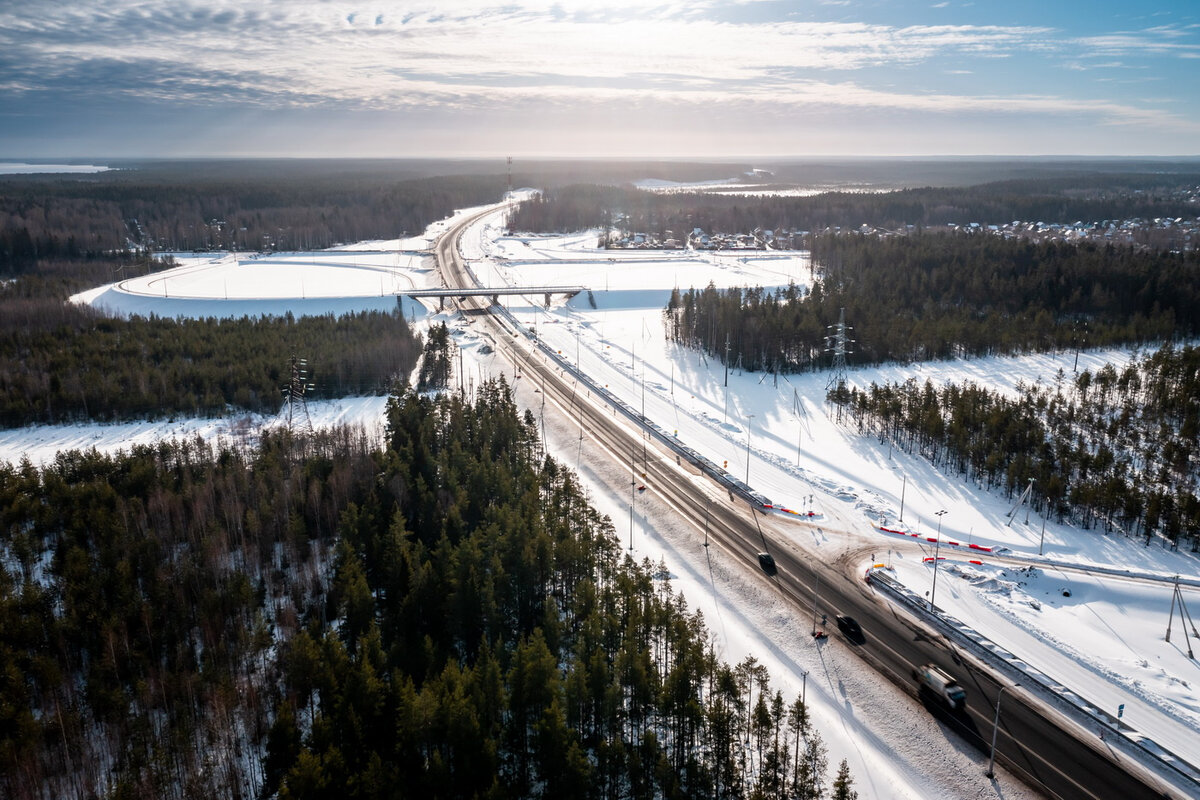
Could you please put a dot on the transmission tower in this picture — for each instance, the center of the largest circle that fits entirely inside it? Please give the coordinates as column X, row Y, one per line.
column 838, row 343
column 294, row 392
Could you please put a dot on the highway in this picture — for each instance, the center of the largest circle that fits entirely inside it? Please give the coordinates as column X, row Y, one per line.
column 1051, row 754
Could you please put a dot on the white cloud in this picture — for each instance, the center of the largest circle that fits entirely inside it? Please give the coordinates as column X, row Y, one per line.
column 1161, row 40
column 475, row 38
column 475, row 54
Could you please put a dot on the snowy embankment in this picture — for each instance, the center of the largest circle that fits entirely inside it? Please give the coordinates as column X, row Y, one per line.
column 1104, row 641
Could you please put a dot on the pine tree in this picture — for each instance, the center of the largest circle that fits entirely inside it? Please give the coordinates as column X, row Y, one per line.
column 843, row 783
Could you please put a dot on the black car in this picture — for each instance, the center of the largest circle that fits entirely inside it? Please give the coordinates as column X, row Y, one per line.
column 850, row 627
column 767, row 562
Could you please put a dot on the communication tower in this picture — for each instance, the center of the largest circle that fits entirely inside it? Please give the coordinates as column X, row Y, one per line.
column 510, row 177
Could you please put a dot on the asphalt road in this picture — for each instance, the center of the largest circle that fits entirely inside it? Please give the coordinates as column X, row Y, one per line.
column 1050, row 754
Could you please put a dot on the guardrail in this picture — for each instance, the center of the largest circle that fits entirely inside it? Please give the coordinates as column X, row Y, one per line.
column 1005, row 662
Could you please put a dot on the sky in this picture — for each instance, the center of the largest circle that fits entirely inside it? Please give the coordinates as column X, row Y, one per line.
column 485, row 78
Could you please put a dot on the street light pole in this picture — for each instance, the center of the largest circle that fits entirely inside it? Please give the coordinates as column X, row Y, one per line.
column 936, row 549
column 816, row 586
column 748, row 426
column 707, row 506
column 996, row 729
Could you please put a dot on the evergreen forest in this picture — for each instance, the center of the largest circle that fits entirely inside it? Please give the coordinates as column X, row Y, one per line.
column 265, row 204
column 1115, row 450
column 318, row 617
column 938, row 296
column 177, row 209
column 61, row 363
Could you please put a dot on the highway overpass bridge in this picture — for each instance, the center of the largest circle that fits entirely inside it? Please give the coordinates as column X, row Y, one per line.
column 494, row 292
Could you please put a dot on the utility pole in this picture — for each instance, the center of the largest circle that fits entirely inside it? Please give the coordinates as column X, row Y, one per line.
column 645, row 461
column 632, row 491
column 838, row 343
column 1177, row 596
column 748, row 427
column 707, row 506
column 726, row 378
column 816, row 586
column 295, row 392
column 995, row 730
column 936, row 549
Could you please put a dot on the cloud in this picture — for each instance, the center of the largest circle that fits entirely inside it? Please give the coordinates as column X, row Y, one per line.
column 473, row 55
column 350, row 52
column 1181, row 41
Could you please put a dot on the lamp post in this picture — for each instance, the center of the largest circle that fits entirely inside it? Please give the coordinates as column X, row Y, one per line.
column 707, row 506
column 748, row 425
column 816, row 587
column 936, row 549
column 996, row 729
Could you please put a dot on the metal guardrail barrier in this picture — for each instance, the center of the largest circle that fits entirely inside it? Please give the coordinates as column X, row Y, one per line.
column 1003, row 661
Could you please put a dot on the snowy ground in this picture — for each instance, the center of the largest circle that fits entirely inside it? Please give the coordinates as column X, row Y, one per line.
column 1105, row 640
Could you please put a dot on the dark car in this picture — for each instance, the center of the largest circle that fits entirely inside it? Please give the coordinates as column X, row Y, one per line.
column 767, row 562
column 850, row 627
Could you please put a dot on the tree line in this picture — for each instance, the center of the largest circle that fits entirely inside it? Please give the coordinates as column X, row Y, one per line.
column 1061, row 199
column 1117, row 448
column 445, row 617
column 937, row 296
column 265, row 204
column 60, row 363
column 114, row 212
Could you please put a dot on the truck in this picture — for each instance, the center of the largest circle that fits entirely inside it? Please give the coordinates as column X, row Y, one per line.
column 938, row 682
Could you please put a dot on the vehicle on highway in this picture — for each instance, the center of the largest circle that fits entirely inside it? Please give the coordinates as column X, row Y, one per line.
column 939, row 683
column 850, row 627
column 767, row 562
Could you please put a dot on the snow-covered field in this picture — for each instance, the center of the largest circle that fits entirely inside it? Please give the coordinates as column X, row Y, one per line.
column 1105, row 640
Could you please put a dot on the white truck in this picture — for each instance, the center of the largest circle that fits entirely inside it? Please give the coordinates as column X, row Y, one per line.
column 938, row 682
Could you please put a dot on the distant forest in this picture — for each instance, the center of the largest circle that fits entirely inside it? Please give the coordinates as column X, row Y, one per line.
column 447, row 617
column 936, row 296
column 1117, row 449
column 106, row 215
column 1058, row 199
column 265, row 204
